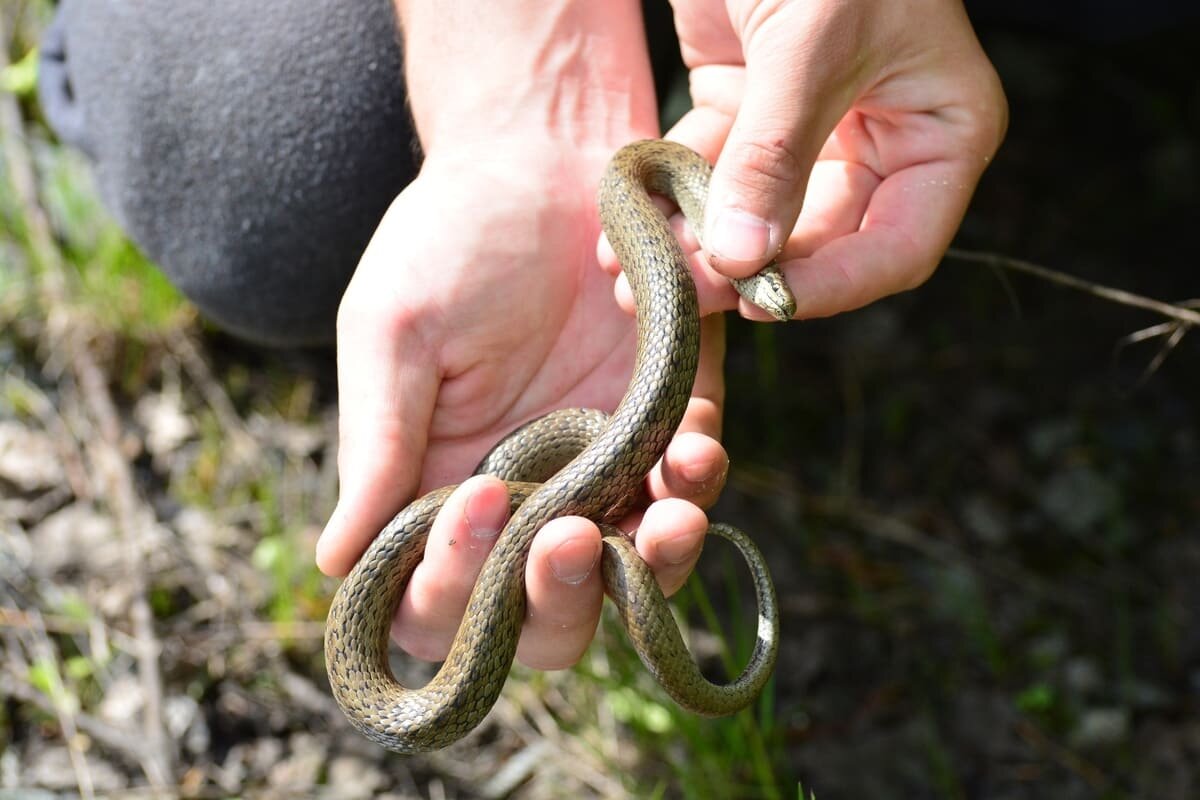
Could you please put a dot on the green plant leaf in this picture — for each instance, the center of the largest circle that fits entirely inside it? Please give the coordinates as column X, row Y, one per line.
column 20, row 78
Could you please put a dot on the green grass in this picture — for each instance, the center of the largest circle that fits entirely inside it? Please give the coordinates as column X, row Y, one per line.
column 111, row 281
column 697, row 758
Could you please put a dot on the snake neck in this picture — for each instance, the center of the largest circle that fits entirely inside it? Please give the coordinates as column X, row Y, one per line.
column 605, row 480
column 668, row 332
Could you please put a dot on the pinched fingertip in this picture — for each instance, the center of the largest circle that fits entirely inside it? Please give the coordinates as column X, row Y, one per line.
column 564, row 592
column 670, row 539
column 694, row 468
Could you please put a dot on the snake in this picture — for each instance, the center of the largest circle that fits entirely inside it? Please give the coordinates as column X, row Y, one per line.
column 573, row 462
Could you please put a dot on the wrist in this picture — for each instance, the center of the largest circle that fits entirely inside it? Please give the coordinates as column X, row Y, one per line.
column 522, row 72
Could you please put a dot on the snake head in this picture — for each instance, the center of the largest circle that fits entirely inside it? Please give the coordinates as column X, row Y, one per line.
column 769, row 291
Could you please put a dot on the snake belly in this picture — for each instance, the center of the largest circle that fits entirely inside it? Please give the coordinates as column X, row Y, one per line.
column 580, row 463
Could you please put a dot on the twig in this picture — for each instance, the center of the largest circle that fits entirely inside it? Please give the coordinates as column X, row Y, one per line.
column 67, row 445
column 1173, row 331
column 1092, row 775
column 41, row 651
column 19, row 619
column 28, row 620
column 1179, row 313
column 127, row 744
column 245, row 446
column 133, row 519
column 281, row 631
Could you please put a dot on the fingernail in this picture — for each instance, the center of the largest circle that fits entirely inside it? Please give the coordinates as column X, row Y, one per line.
column 702, row 474
column 573, row 560
column 484, row 518
column 739, row 236
column 678, row 549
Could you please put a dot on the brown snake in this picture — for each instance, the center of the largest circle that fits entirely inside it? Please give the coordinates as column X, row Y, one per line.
column 592, row 466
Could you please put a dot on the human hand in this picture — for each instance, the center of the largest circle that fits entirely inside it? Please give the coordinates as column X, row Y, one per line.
column 847, row 136
column 476, row 307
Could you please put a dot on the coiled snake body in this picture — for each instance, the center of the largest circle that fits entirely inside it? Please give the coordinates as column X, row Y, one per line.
column 573, row 462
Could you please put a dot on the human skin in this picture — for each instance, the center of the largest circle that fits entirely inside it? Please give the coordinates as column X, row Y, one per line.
column 479, row 303
column 876, row 117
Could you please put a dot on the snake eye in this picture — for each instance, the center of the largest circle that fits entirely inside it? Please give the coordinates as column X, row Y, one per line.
column 777, row 300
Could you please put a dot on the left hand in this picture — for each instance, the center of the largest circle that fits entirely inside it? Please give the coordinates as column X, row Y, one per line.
column 848, row 138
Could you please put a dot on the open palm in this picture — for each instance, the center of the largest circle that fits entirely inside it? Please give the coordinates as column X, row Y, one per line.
column 503, row 317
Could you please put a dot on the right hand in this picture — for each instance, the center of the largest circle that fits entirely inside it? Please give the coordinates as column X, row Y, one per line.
column 478, row 305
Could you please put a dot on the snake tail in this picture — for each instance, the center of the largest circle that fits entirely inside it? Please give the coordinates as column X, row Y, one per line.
column 647, row 619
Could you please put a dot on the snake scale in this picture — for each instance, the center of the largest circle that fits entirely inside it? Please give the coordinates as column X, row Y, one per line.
column 573, row 462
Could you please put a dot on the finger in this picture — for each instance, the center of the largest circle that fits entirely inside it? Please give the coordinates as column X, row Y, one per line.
column 714, row 292
column 669, row 540
column 604, row 251
column 459, row 542
column 694, row 468
column 703, row 413
column 838, row 194
column 695, row 464
column 705, row 127
column 387, row 385
column 792, row 97
column 564, row 592
column 910, row 220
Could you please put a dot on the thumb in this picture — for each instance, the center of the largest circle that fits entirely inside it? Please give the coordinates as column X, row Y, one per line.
column 387, row 386
column 789, row 107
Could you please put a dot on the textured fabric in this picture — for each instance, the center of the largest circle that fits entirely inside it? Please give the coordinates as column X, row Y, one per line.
column 249, row 148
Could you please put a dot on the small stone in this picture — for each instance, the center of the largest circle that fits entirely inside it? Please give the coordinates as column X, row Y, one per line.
column 300, row 769
column 28, row 458
column 29, row 794
column 122, row 701
column 1100, row 728
column 52, row 769
column 263, row 755
column 1083, row 676
column 74, row 536
column 985, row 520
column 352, row 778
column 179, row 713
column 1078, row 498
column 166, row 423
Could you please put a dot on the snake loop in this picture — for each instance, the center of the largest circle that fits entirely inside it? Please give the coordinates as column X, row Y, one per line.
column 568, row 463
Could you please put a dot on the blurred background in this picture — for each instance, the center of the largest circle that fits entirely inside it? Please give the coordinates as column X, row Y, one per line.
column 980, row 501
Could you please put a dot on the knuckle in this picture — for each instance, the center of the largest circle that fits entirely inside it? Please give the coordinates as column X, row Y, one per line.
column 770, row 164
column 987, row 116
column 362, row 314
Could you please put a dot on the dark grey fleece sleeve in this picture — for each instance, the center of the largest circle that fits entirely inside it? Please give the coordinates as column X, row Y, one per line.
column 249, row 148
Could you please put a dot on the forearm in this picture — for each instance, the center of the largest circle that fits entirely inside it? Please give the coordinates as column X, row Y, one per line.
column 574, row 70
